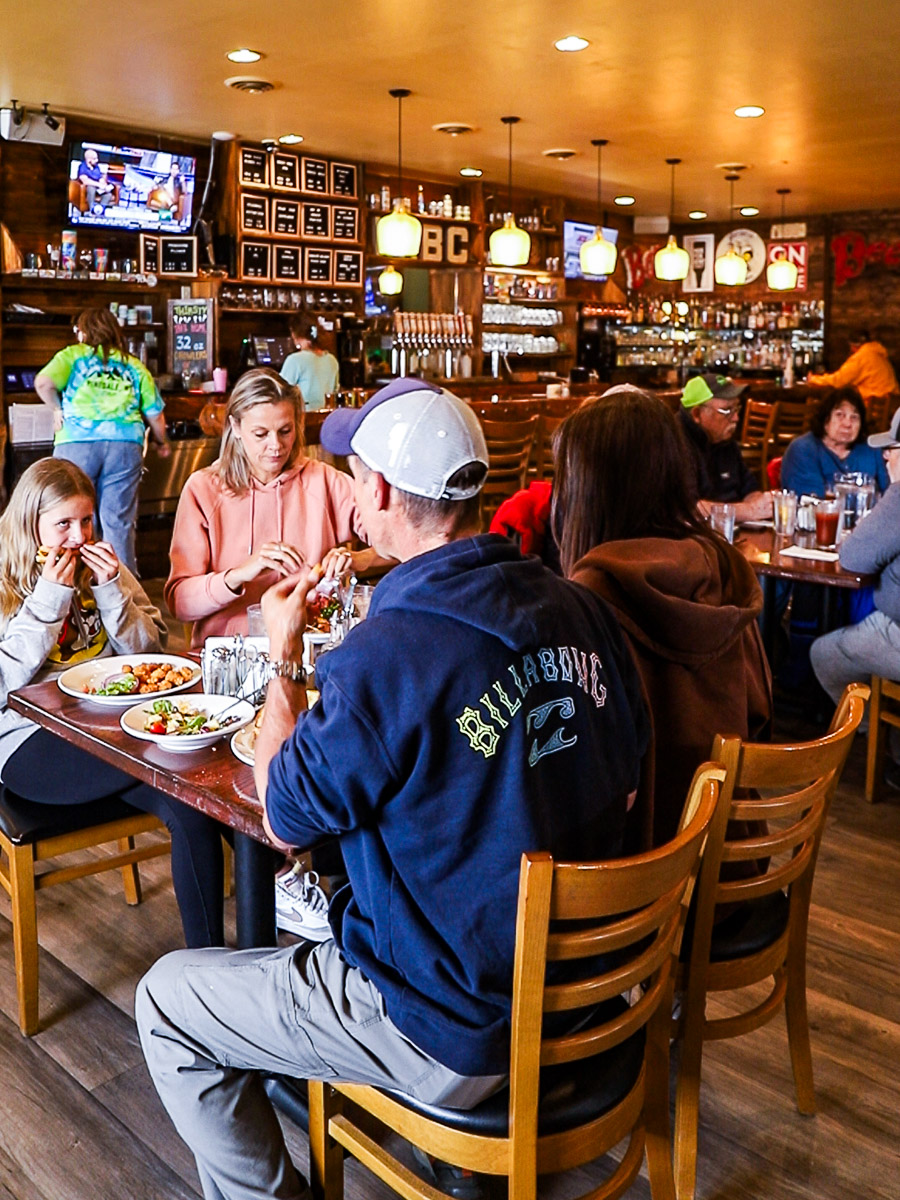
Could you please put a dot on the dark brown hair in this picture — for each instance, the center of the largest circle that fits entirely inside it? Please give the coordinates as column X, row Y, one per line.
column 621, row 473
column 102, row 331
column 301, row 327
column 832, row 399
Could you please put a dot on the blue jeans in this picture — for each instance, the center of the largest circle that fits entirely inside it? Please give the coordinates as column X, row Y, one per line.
column 114, row 468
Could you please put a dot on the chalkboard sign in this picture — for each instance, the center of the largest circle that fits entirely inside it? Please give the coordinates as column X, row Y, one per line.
column 254, row 167
column 317, row 266
column 149, row 254
column 345, row 221
column 255, row 260
column 285, row 218
column 178, row 256
column 287, row 264
column 317, row 221
column 254, row 214
column 315, row 175
column 191, row 336
column 285, row 172
column 348, row 267
column 343, row 179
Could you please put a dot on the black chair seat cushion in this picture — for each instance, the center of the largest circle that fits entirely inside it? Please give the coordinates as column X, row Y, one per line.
column 570, row 1095
column 25, row 822
column 751, row 927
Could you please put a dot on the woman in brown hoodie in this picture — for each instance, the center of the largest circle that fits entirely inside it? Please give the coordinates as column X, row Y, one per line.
column 686, row 600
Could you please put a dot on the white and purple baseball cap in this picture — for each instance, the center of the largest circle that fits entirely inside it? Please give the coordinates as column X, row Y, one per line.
column 413, row 433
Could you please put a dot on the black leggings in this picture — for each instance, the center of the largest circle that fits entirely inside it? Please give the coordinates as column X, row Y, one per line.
column 47, row 770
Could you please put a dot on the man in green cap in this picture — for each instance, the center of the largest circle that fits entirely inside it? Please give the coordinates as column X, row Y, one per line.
column 710, row 410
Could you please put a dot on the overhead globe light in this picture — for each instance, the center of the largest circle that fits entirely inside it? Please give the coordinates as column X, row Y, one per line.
column 471, row 172
column 598, row 255
column 781, row 273
column 399, row 234
column 731, row 267
column 571, row 44
column 749, row 210
column 510, row 246
column 749, row 110
column 291, row 139
column 697, row 214
column 243, row 55
column 390, row 282
column 671, row 262
column 623, row 201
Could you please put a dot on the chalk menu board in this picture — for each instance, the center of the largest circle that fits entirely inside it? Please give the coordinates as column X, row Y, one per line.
column 191, row 336
column 348, row 267
column 254, row 213
column 255, row 260
column 285, row 218
column 345, row 223
column 315, row 175
column 317, row 221
column 317, row 266
column 343, row 179
column 287, row 264
column 253, row 168
column 285, row 172
column 178, row 256
column 149, row 254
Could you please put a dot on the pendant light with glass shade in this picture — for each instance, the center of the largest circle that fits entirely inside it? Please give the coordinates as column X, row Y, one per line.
column 399, row 234
column 390, row 282
column 671, row 262
column 731, row 267
column 781, row 273
column 598, row 254
column 510, row 246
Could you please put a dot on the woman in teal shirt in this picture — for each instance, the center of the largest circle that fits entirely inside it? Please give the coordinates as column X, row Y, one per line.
column 313, row 371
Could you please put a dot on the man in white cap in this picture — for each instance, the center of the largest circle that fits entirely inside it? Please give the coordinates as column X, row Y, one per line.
column 484, row 708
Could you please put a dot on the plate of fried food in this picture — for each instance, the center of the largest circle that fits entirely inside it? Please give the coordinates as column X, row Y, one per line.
column 122, row 681
column 187, row 723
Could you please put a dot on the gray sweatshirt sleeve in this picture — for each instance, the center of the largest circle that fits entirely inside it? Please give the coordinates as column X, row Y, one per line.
column 132, row 623
column 30, row 634
column 875, row 542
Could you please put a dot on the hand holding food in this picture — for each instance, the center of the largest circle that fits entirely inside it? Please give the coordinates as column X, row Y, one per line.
column 271, row 556
column 337, row 562
column 101, row 559
column 60, row 565
column 284, row 613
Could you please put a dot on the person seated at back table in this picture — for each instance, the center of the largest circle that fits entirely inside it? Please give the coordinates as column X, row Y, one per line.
column 868, row 369
column 834, row 443
column 687, row 601
column 480, row 690
column 710, row 411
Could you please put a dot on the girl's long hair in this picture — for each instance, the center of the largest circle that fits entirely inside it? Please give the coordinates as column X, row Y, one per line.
column 259, row 386
column 102, row 331
column 46, row 483
column 621, row 473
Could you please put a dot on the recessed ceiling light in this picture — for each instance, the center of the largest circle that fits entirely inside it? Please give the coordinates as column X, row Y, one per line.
column 223, row 135
column 471, row 172
column 749, row 110
column 749, row 210
column 624, row 201
column 572, row 44
column 291, row 139
column 243, row 55
column 697, row 215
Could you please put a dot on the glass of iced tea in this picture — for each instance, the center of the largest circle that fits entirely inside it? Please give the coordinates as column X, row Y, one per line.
column 828, row 514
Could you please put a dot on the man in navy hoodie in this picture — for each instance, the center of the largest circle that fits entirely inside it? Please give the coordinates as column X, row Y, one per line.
column 485, row 708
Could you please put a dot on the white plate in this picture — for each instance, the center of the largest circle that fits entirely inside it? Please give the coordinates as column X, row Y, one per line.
column 132, row 721
column 240, row 748
column 74, row 681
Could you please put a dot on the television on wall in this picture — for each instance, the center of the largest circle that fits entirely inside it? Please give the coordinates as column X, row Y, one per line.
column 574, row 234
column 128, row 187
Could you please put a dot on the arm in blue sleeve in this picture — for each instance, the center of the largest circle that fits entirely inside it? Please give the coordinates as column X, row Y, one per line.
column 801, row 468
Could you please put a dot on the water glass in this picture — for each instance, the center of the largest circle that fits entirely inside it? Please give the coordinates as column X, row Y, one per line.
column 256, row 626
column 784, row 511
column 721, row 518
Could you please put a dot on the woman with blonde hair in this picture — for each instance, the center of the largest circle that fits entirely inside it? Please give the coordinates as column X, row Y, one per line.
column 260, row 512
column 102, row 399
column 66, row 599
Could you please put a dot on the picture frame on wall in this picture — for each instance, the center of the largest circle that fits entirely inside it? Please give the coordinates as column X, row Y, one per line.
column 284, row 217
column 345, row 223
column 314, row 176
column 348, row 268
column 316, row 222
column 256, row 261
column 343, row 179
column 253, row 167
column 701, row 249
column 284, row 171
column 317, row 265
column 177, row 256
column 287, row 263
column 254, row 213
column 148, row 254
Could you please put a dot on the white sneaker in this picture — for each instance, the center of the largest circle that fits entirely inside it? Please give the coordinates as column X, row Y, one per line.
column 301, row 906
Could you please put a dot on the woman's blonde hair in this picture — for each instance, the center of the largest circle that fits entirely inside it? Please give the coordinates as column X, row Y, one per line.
column 46, row 483
column 259, row 386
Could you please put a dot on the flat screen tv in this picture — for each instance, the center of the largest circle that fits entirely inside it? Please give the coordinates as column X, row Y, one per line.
column 126, row 187
column 574, row 234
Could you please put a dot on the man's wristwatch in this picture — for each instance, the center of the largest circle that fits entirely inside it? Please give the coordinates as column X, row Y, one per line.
column 284, row 668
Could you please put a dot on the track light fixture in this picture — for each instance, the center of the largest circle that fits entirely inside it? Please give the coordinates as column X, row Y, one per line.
column 49, row 120
column 18, row 114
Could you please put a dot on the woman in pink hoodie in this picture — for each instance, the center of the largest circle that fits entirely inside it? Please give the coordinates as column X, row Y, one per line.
column 261, row 511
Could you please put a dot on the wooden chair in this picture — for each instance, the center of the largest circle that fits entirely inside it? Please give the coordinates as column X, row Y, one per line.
column 756, row 436
column 572, row 1095
column 766, row 872
column 34, row 833
column 540, row 464
column 880, row 716
column 792, row 418
column 879, row 410
column 509, row 447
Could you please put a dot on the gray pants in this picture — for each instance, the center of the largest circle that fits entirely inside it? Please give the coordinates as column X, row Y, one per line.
column 856, row 652
column 209, row 1020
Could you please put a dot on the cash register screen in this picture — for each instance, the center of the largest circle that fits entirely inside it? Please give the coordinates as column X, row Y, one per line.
column 272, row 351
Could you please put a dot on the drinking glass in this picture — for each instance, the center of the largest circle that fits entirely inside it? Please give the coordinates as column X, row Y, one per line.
column 721, row 518
column 828, row 514
column 784, row 511
column 256, row 626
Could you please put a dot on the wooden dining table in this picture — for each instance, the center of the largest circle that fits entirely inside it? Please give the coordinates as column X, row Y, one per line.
column 210, row 779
